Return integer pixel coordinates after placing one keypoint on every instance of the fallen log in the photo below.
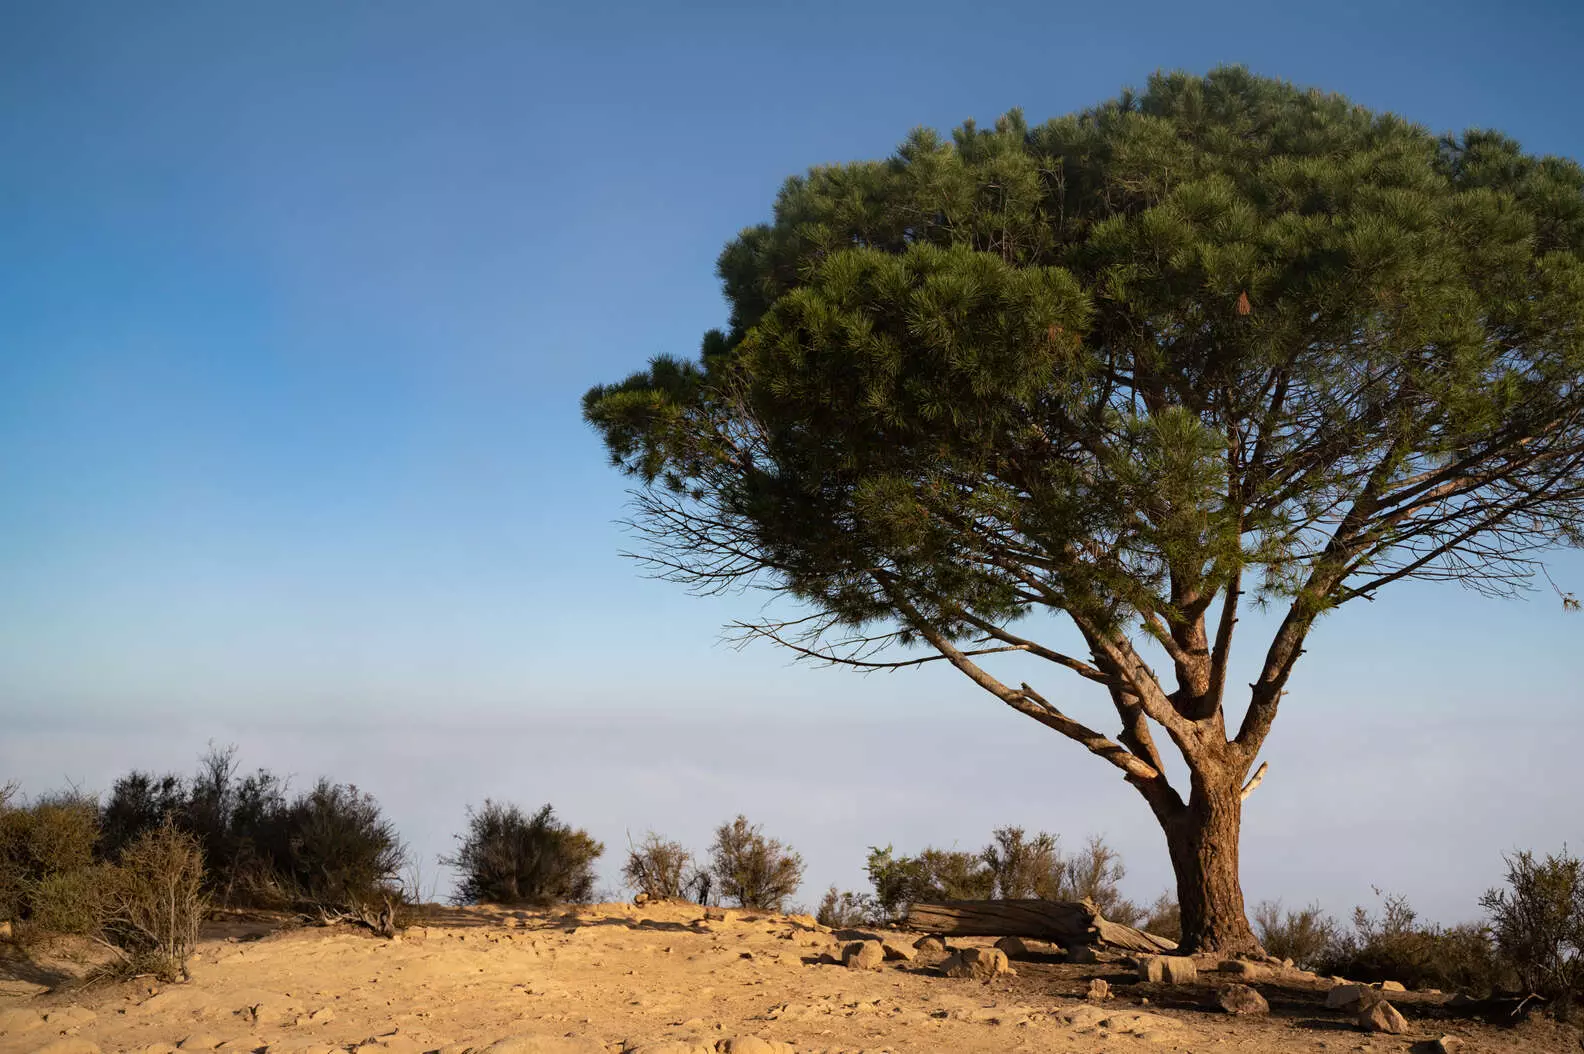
(1067, 922)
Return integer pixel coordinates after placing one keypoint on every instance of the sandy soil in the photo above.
(662, 980)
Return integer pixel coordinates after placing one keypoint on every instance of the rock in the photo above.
(1392, 986)
(1444, 1045)
(1013, 947)
(1099, 990)
(1240, 1000)
(978, 963)
(545, 1045)
(930, 946)
(898, 951)
(5, 930)
(1288, 964)
(248, 1044)
(1382, 1017)
(1167, 969)
(19, 1020)
(671, 1046)
(640, 899)
(863, 955)
(714, 915)
(68, 1045)
(1135, 1023)
(752, 1045)
(1082, 953)
(199, 1041)
(1352, 997)
(1250, 971)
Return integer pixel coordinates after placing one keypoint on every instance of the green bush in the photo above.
(507, 857)
(660, 869)
(1538, 924)
(40, 846)
(755, 871)
(68, 901)
(1164, 918)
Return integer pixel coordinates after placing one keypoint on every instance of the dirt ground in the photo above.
(661, 979)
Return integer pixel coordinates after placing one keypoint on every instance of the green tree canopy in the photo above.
(1226, 335)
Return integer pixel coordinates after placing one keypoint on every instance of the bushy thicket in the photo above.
(329, 846)
(71, 865)
(509, 857)
(751, 869)
(1014, 865)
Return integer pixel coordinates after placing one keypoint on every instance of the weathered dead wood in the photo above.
(1067, 922)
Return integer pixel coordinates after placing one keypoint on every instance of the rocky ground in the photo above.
(663, 979)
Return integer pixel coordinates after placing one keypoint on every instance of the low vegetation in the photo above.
(752, 870)
(508, 857)
(661, 869)
(137, 872)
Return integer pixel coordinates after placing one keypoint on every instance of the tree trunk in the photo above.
(1203, 841)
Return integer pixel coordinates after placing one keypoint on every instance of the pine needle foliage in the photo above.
(1223, 338)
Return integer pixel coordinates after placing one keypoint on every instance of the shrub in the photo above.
(755, 871)
(1092, 875)
(68, 901)
(507, 857)
(1023, 867)
(660, 869)
(1393, 947)
(1164, 918)
(1538, 924)
(40, 844)
(844, 910)
(139, 802)
(151, 901)
(332, 847)
(1304, 936)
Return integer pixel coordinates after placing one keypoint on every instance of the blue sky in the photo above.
(296, 305)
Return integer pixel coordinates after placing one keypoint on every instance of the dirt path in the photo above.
(663, 981)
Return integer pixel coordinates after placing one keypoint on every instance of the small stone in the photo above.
(1446, 1045)
(863, 955)
(898, 951)
(640, 899)
(1240, 1000)
(1250, 971)
(1099, 990)
(1382, 1017)
(714, 915)
(930, 946)
(1352, 998)
(978, 963)
(199, 1041)
(1392, 986)
(1167, 969)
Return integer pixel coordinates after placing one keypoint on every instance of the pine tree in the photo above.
(1224, 341)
